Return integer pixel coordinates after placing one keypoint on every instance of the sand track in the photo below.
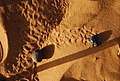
(68, 24)
(28, 25)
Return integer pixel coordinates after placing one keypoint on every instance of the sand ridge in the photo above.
(3, 42)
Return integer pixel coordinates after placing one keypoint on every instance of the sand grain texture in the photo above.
(68, 24)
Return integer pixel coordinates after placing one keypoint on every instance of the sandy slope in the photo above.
(78, 25)
(68, 24)
(3, 42)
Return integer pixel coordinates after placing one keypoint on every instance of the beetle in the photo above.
(37, 56)
(45, 53)
(95, 40)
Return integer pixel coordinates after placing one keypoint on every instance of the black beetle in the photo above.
(95, 40)
(44, 53)
(37, 56)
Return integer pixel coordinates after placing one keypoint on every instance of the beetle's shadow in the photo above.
(104, 36)
(45, 53)
(48, 51)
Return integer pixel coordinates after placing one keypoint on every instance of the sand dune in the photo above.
(67, 24)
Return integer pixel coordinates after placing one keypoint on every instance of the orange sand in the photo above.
(68, 24)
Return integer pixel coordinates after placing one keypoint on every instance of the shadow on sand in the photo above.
(104, 36)
(2, 78)
(70, 79)
(48, 51)
(74, 56)
(14, 22)
(78, 55)
(8, 2)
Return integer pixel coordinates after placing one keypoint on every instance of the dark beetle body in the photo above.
(44, 53)
(95, 40)
(37, 56)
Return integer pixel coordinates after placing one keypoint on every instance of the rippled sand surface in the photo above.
(29, 25)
